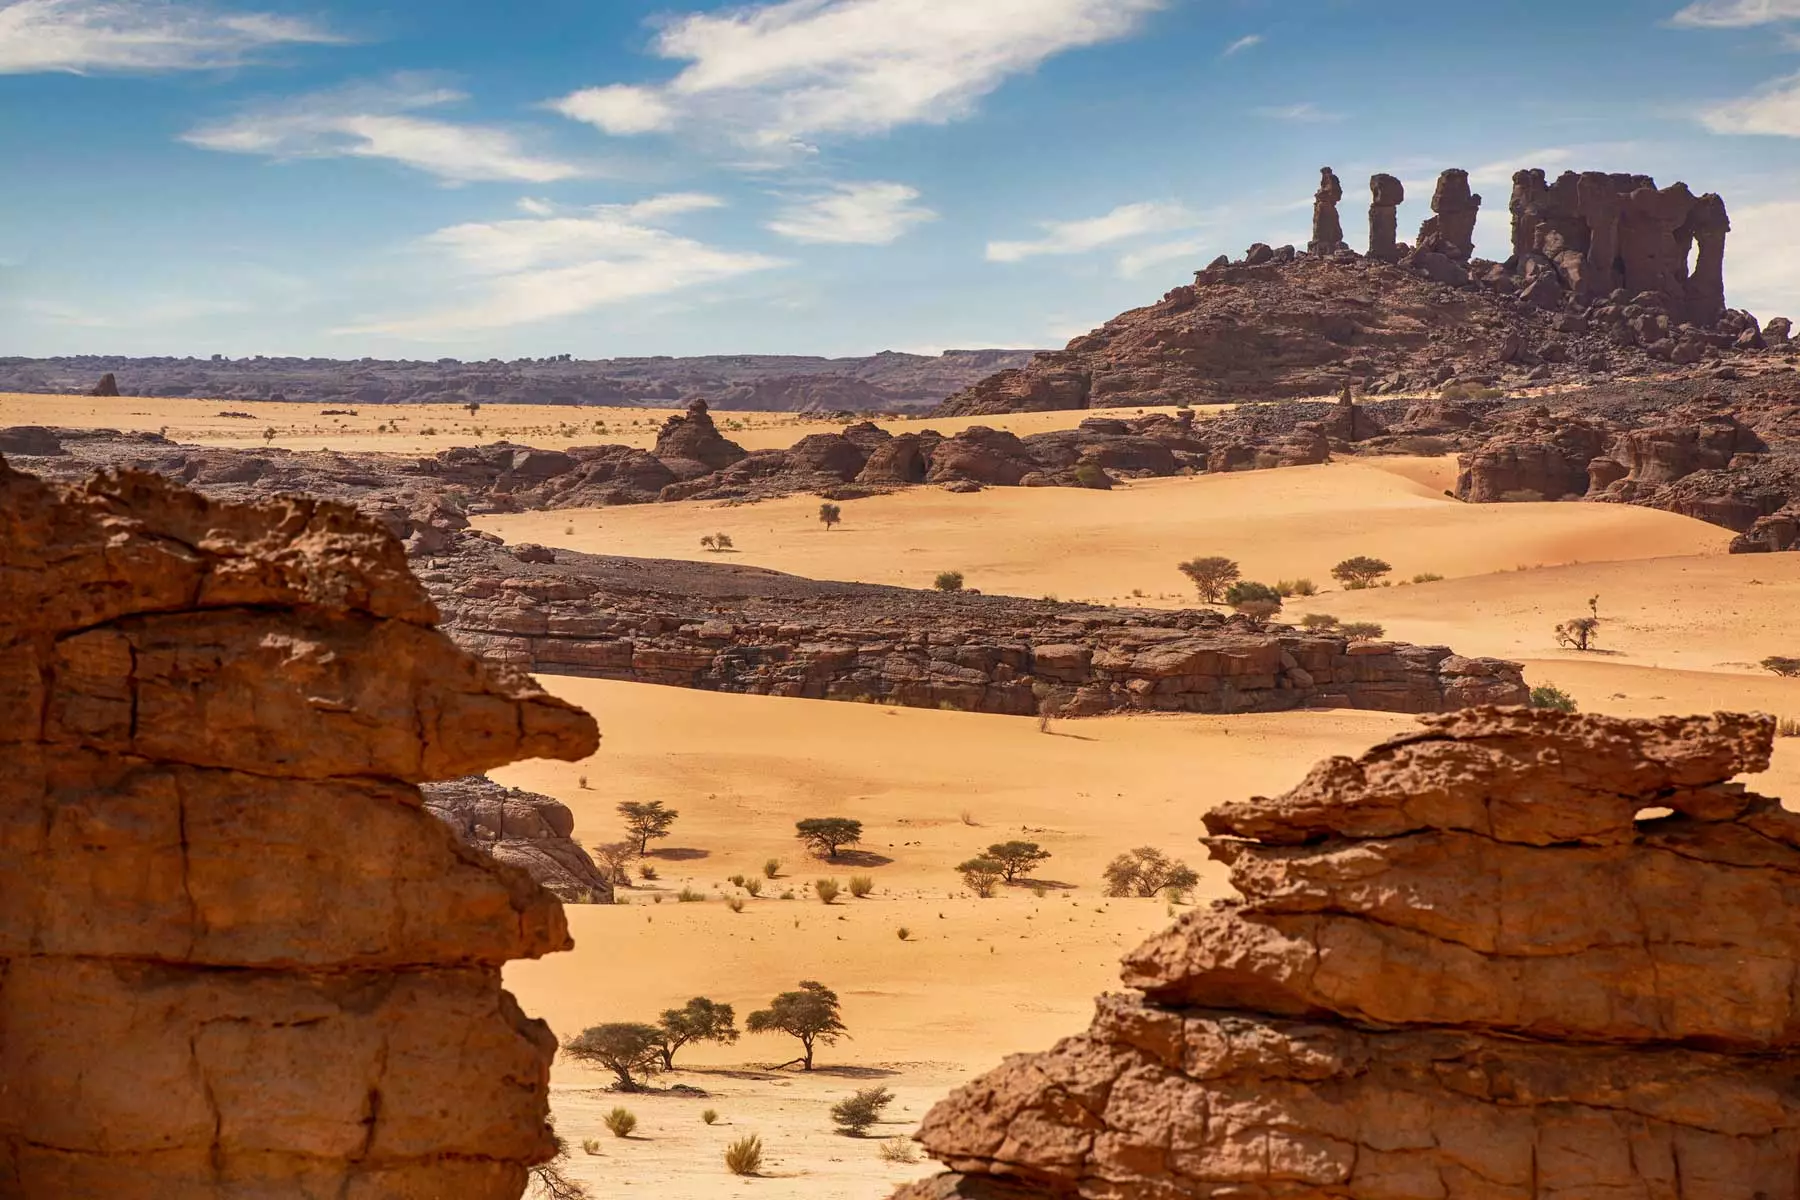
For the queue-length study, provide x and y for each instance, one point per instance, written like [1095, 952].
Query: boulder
[525, 829]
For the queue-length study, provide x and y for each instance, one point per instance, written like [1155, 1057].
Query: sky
[607, 178]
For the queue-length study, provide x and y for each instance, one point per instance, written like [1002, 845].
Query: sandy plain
[976, 979]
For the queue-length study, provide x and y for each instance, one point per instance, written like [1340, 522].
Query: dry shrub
[744, 1156]
[620, 1122]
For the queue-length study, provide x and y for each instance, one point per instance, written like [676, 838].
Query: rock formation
[1327, 230]
[527, 829]
[237, 957]
[108, 386]
[1471, 964]
[1450, 231]
[692, 445]
[1386, 195]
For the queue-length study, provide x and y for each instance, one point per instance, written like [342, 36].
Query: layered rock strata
[741, 629]
[237, 957]
[529, 830]
[1473, 964]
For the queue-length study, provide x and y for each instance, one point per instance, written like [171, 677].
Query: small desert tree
[1210, 576]
[1552, 698]
[829, 515]
[855, 1114]
[547, 1178]
[981, 875]
[1147, 871]
[1359, 572]
[948, 581]
[646, 820]
[1257, 599]
[1578, 633]
[699, 1020]
[722, 541]
[1017, 858]
[709, 542]
[627, 1049]
[474, 406]
[1785, 667]
[827, 835]
[614, 861]
[810, 1014]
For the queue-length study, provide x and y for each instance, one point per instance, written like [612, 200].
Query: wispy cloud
[1735, 14]
[382, 122]
[1306, 111]
[1136, 262]
[1076, 237]
[1774, 110]
[866, 214]
[1242, 44]
[775, 74]
[524, 270]
[138, 35]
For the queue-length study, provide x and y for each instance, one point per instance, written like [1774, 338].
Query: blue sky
[621, 177]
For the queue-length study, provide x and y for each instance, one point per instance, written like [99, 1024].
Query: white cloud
[1735, 14]
[1075, 237]
[380, 122]
[774, 74]
[1305, 112]
[1242, 44]
[1773, 110]
[1762, 261]
[518, 271]
[1138, 261]
[137, 35]
[862, 214]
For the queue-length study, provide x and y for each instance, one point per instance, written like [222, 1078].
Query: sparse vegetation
[710, 1116]
[1092, 475]
[1286, 588]
[825, 836]
[753, 885]
[1318, 621]
[1788, 668]
[1426, 577]
[735, 904]
[981, 875]
[647, 871]
[827, 890]
[699, 1020]
[1787, 727]
[590, 1145]
[1552, 698]
[829, 515]
[855, 1114]
[1210, 576]
[899, 1150]
[627, 1049]
[1147, 871]
[1249, 592]
[1360, 572]
[716, 541]
[1016, 858]
[1361, 631]
[614, 860]
[688, 895]
[771, 868]
[646, 820]
[810, 1014]
[744, 1156]
[1579, 633]
[948, 581]
[903, 933]
[861, 885]
[620, 1122]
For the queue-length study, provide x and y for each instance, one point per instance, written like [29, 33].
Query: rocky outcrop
[1386, 195]
[1473, 963]
[692, 445]
[1450, 230]
[740, 629]
[108, 386]
[1327, 230]
[237, 957]
[526, 829]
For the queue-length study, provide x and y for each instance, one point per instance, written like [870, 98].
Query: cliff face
[237, 957]
[1462, 967]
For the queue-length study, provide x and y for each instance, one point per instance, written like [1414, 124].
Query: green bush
[948, 581]
[1318, 621]
[1296, 587]
[1091, 475]
[1552, 698]
[1246, 591]
[855, 1114]
[1361, 631]
[1359, 572]
[981, 875]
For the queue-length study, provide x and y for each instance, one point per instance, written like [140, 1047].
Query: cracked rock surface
[238, 958]
[1516, 955]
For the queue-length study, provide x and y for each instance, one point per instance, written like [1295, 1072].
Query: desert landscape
[1329, 731]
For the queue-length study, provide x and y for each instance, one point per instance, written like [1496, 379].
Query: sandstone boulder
[526, 829]
[692, 445]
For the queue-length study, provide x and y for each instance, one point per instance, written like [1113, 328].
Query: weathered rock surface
[1463, 967]
[1386, 195]
[1327, 229]
[743, 629]
[1450, 230]
[237, 957]
[526, 829]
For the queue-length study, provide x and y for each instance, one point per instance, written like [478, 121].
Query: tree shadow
[844, 1072]
[755, 1074]
[1080, 737]
[1055, 885]
[857, 858]
[679, 853]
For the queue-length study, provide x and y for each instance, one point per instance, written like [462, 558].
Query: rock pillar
[1327, 230]
[1451, 230]
[1386, 194]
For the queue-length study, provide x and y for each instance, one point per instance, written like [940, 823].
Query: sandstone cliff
[1474, 964]
[237, 957]
[527, 829]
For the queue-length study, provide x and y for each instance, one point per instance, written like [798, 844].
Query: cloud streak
[382, 122]
[1305, 113]
[1242, 44]
[1774, 111]
[1735, 14]
[862, 214]
[1123, 223]
[80, 36]
[525, 270]
[773, 75]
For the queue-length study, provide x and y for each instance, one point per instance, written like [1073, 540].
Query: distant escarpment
[1598, 285]
[237, 957]
[882, 382]
[1514, 954]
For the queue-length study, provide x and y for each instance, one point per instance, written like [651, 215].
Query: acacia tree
[827, 835]
[981, 875]
[810, 1014]
[1016, 858]
[1210, 576]
[1147, 871]
[1579, 632]
[699, 1020]
[622, 1047]
[647, 820]
[829, 515]
[614, 861]
[1359, 572]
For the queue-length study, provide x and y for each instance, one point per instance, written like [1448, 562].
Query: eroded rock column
[1451, 230]
[1327, 230]
[237, 957]
[1386, 194]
